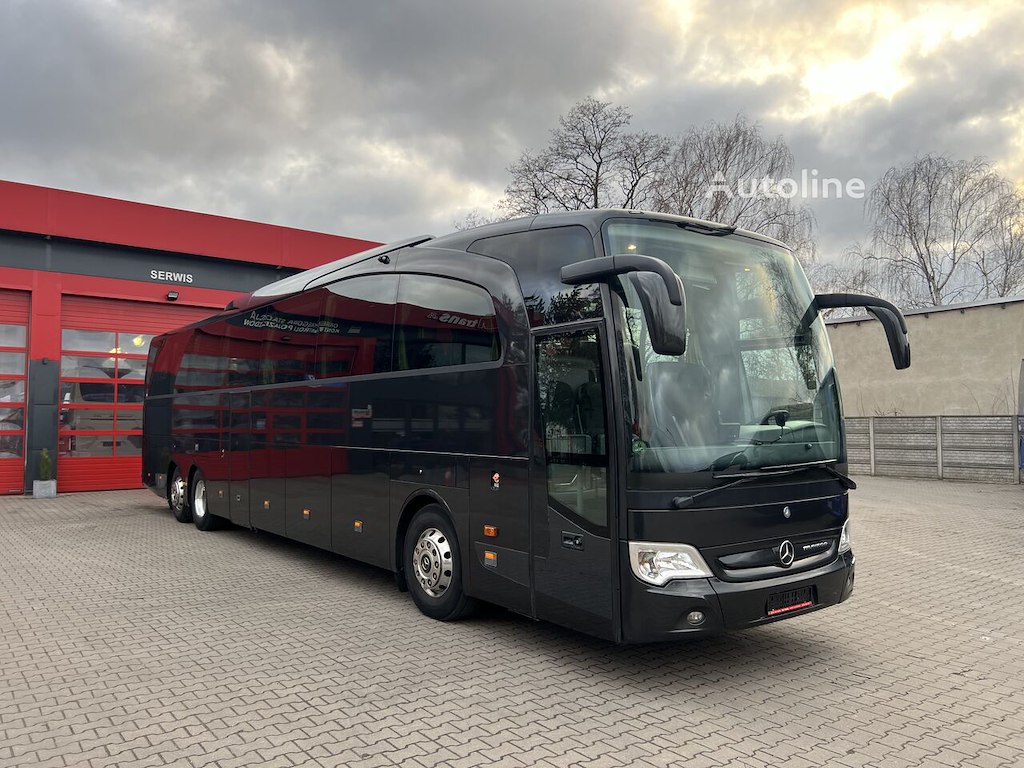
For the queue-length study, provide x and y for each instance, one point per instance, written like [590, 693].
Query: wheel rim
[432, 562]
[199, 504]
[178, 492]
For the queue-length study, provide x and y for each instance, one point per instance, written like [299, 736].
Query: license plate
[793, 600]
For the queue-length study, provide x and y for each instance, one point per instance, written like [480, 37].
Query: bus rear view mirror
[887, 314]
[661, 293]
[666, 322]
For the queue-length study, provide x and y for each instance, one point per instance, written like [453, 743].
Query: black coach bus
[625, 423]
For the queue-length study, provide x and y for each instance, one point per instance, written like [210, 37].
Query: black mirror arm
[834, 300]
[887, 314]
[596, 270]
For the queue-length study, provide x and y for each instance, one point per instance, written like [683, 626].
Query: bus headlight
[845, 538]
[658, 564]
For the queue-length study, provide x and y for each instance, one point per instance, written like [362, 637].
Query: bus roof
[592, 219]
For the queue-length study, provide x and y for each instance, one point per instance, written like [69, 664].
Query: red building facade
[85, 284]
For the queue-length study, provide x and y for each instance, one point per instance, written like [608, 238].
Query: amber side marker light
[490, 559]
[357, 526]
[490, 530]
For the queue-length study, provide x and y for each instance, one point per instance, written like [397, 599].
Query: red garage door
[104, 344]
[13, 362]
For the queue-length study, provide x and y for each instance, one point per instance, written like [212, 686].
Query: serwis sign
[165, 276]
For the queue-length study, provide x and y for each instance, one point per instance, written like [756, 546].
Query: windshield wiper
[706, 228]
[746, 475]
[844, 480]
[682, 502]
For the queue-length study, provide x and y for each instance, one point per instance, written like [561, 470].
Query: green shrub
[45, 465]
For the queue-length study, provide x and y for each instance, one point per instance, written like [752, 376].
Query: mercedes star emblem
[787, 553]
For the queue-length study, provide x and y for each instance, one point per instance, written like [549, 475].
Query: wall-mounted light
[172, 295]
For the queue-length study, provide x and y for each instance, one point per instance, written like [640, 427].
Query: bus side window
[289, 330]
[203, 363]
[536, 256]
[357, 327]
[571, 410]
[442, 322]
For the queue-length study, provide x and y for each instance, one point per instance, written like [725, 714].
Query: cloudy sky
[385, 119]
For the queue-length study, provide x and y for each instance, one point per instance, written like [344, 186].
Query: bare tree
[592, 161]
[726, 172]
[1000, 266]
[720, 172]
[476, 218]
[935, 223]
[853, 272]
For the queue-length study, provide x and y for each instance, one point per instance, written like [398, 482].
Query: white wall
[964, 362]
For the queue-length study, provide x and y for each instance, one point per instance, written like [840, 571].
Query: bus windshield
[755, 388]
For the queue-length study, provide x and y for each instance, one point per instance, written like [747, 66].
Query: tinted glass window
[203, 366]
[357, 326]
[571, 406]
[538, 257]
[271, 344]
[443, 322]
[290, 328]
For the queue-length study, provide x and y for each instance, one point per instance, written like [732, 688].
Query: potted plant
[45, 487]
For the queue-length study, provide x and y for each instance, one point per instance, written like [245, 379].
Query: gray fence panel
[905, 441]
[906, 470]
[976, 475]
[977, 423]
[905, 456]
[859, 456]
[857, 426]
[972, 448]
[977, 459]
[860, 440]
[904, 425]
[989, 441]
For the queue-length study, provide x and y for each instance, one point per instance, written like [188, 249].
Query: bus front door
[572, 550]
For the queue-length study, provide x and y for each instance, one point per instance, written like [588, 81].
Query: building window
[12, 390]
[101, 392]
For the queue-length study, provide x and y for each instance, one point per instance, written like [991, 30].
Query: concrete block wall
[982, 449]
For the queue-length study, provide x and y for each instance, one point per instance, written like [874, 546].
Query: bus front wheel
[177, 497]
[433, 567]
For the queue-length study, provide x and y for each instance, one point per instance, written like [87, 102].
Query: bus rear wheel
[433, 569]
[177, 497]
[201, 515]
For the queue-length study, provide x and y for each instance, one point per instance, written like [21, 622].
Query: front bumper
[651, 614]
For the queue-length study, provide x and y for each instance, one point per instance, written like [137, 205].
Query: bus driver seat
[681, 402]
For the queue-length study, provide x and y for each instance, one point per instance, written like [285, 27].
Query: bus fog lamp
[695, 618]
[658, 563]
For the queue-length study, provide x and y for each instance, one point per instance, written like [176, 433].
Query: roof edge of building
[62, 213]
[932, 310]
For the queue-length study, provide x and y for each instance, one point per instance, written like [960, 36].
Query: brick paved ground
[129, 639]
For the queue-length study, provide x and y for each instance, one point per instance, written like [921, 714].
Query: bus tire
[433, 568]
[201, 515]
[177, 497]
